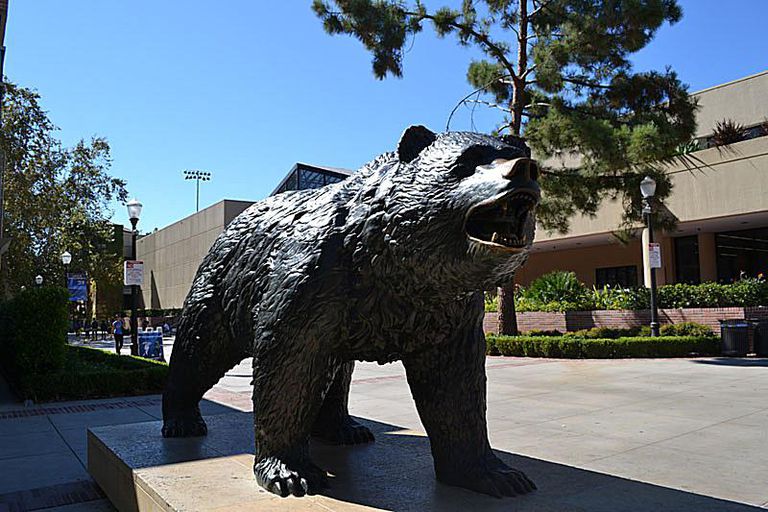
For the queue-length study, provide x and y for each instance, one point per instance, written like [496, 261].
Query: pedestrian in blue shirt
[117, 330]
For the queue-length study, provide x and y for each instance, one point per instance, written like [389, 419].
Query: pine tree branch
[466, 98]
[585, 83]
[480, 37]
[489, 104]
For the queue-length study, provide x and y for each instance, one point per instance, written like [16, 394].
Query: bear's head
[459, 207]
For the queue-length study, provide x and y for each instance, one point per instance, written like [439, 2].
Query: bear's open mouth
[501, 221]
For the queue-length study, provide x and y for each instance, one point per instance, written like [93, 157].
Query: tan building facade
[171, 255]
[720, 202]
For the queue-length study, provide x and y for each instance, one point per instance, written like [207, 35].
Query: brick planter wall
[576, 320]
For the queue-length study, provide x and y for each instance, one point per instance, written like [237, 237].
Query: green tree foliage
[56, 199]
[559, 71]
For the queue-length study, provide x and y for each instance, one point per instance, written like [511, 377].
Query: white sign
[654, 255]
[133, 273]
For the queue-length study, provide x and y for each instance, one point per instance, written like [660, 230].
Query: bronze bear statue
[386, 265]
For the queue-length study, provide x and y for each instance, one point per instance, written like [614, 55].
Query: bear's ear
[413, 140]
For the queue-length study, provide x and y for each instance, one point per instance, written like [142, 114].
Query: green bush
[602, 348]
[604, 332]
[611, 297]
[686, 329]
[491, 302]
[562, 291]
[555, 287]
[537, 332]
[34, 331]
[93, 373]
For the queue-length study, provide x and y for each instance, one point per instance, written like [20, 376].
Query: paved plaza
[683, 434]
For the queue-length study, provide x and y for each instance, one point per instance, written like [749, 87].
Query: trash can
[734, 335]
[760, 338]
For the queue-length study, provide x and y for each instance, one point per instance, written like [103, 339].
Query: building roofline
[338, 171]
[728, 84]
[183, 219]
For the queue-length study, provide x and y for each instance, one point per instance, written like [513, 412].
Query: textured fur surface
[378, 267]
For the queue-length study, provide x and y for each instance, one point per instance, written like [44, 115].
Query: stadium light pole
[198, 176]
[134, 212]
[648, 190]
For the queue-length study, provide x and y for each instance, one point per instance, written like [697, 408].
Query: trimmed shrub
[537, 332]
[602, 348]
[685, 329]
[604, 332]
[34, 331]
[597, 348]
[93, 373]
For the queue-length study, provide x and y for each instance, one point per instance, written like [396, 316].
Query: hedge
[561, 291]
[571, 347]
[33, 333]
[93, 373]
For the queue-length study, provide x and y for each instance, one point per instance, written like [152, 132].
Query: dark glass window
[741, 252]
[687, 260]
[625, 277]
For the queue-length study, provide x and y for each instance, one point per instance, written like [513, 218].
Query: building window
[741, 253]
[624, 277]
[687, 260]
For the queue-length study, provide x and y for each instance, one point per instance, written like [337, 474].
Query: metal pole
[197, 196]
[69, 302]
[654, 308]
[134, 318]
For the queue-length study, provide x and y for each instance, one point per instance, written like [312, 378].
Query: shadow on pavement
[733, 361]
[396, 473]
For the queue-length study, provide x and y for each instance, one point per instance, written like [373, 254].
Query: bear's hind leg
[202, 353]
[448, 385]
[333, 424]
[288, 388]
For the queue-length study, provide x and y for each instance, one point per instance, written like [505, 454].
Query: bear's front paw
[185, 425]
[285, 479]
[491, 477]
[348, 431]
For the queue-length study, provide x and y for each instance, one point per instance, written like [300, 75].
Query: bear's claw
[348, 432]
[297, 480]
[185, 426]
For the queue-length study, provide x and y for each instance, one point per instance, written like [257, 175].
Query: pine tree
[560, 74]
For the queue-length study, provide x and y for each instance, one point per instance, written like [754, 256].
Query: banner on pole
[133, 273]
[77, 284]
[654, 255]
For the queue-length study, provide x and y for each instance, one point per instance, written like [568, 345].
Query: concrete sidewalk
[695, 426]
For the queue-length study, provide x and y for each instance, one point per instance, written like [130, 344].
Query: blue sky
[245, 89]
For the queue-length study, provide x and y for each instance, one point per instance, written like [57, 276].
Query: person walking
[117, 330]
[94, 329]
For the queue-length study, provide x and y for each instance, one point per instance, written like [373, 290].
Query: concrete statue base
[141, 471]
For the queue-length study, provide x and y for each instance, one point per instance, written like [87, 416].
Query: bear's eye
[468, 161]
[463, 170]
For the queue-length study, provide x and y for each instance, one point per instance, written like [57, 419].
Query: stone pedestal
[140, 471]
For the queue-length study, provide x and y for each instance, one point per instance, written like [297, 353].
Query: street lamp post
[198, 176]
[66, 259]
[648, 190]
[134, 212]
